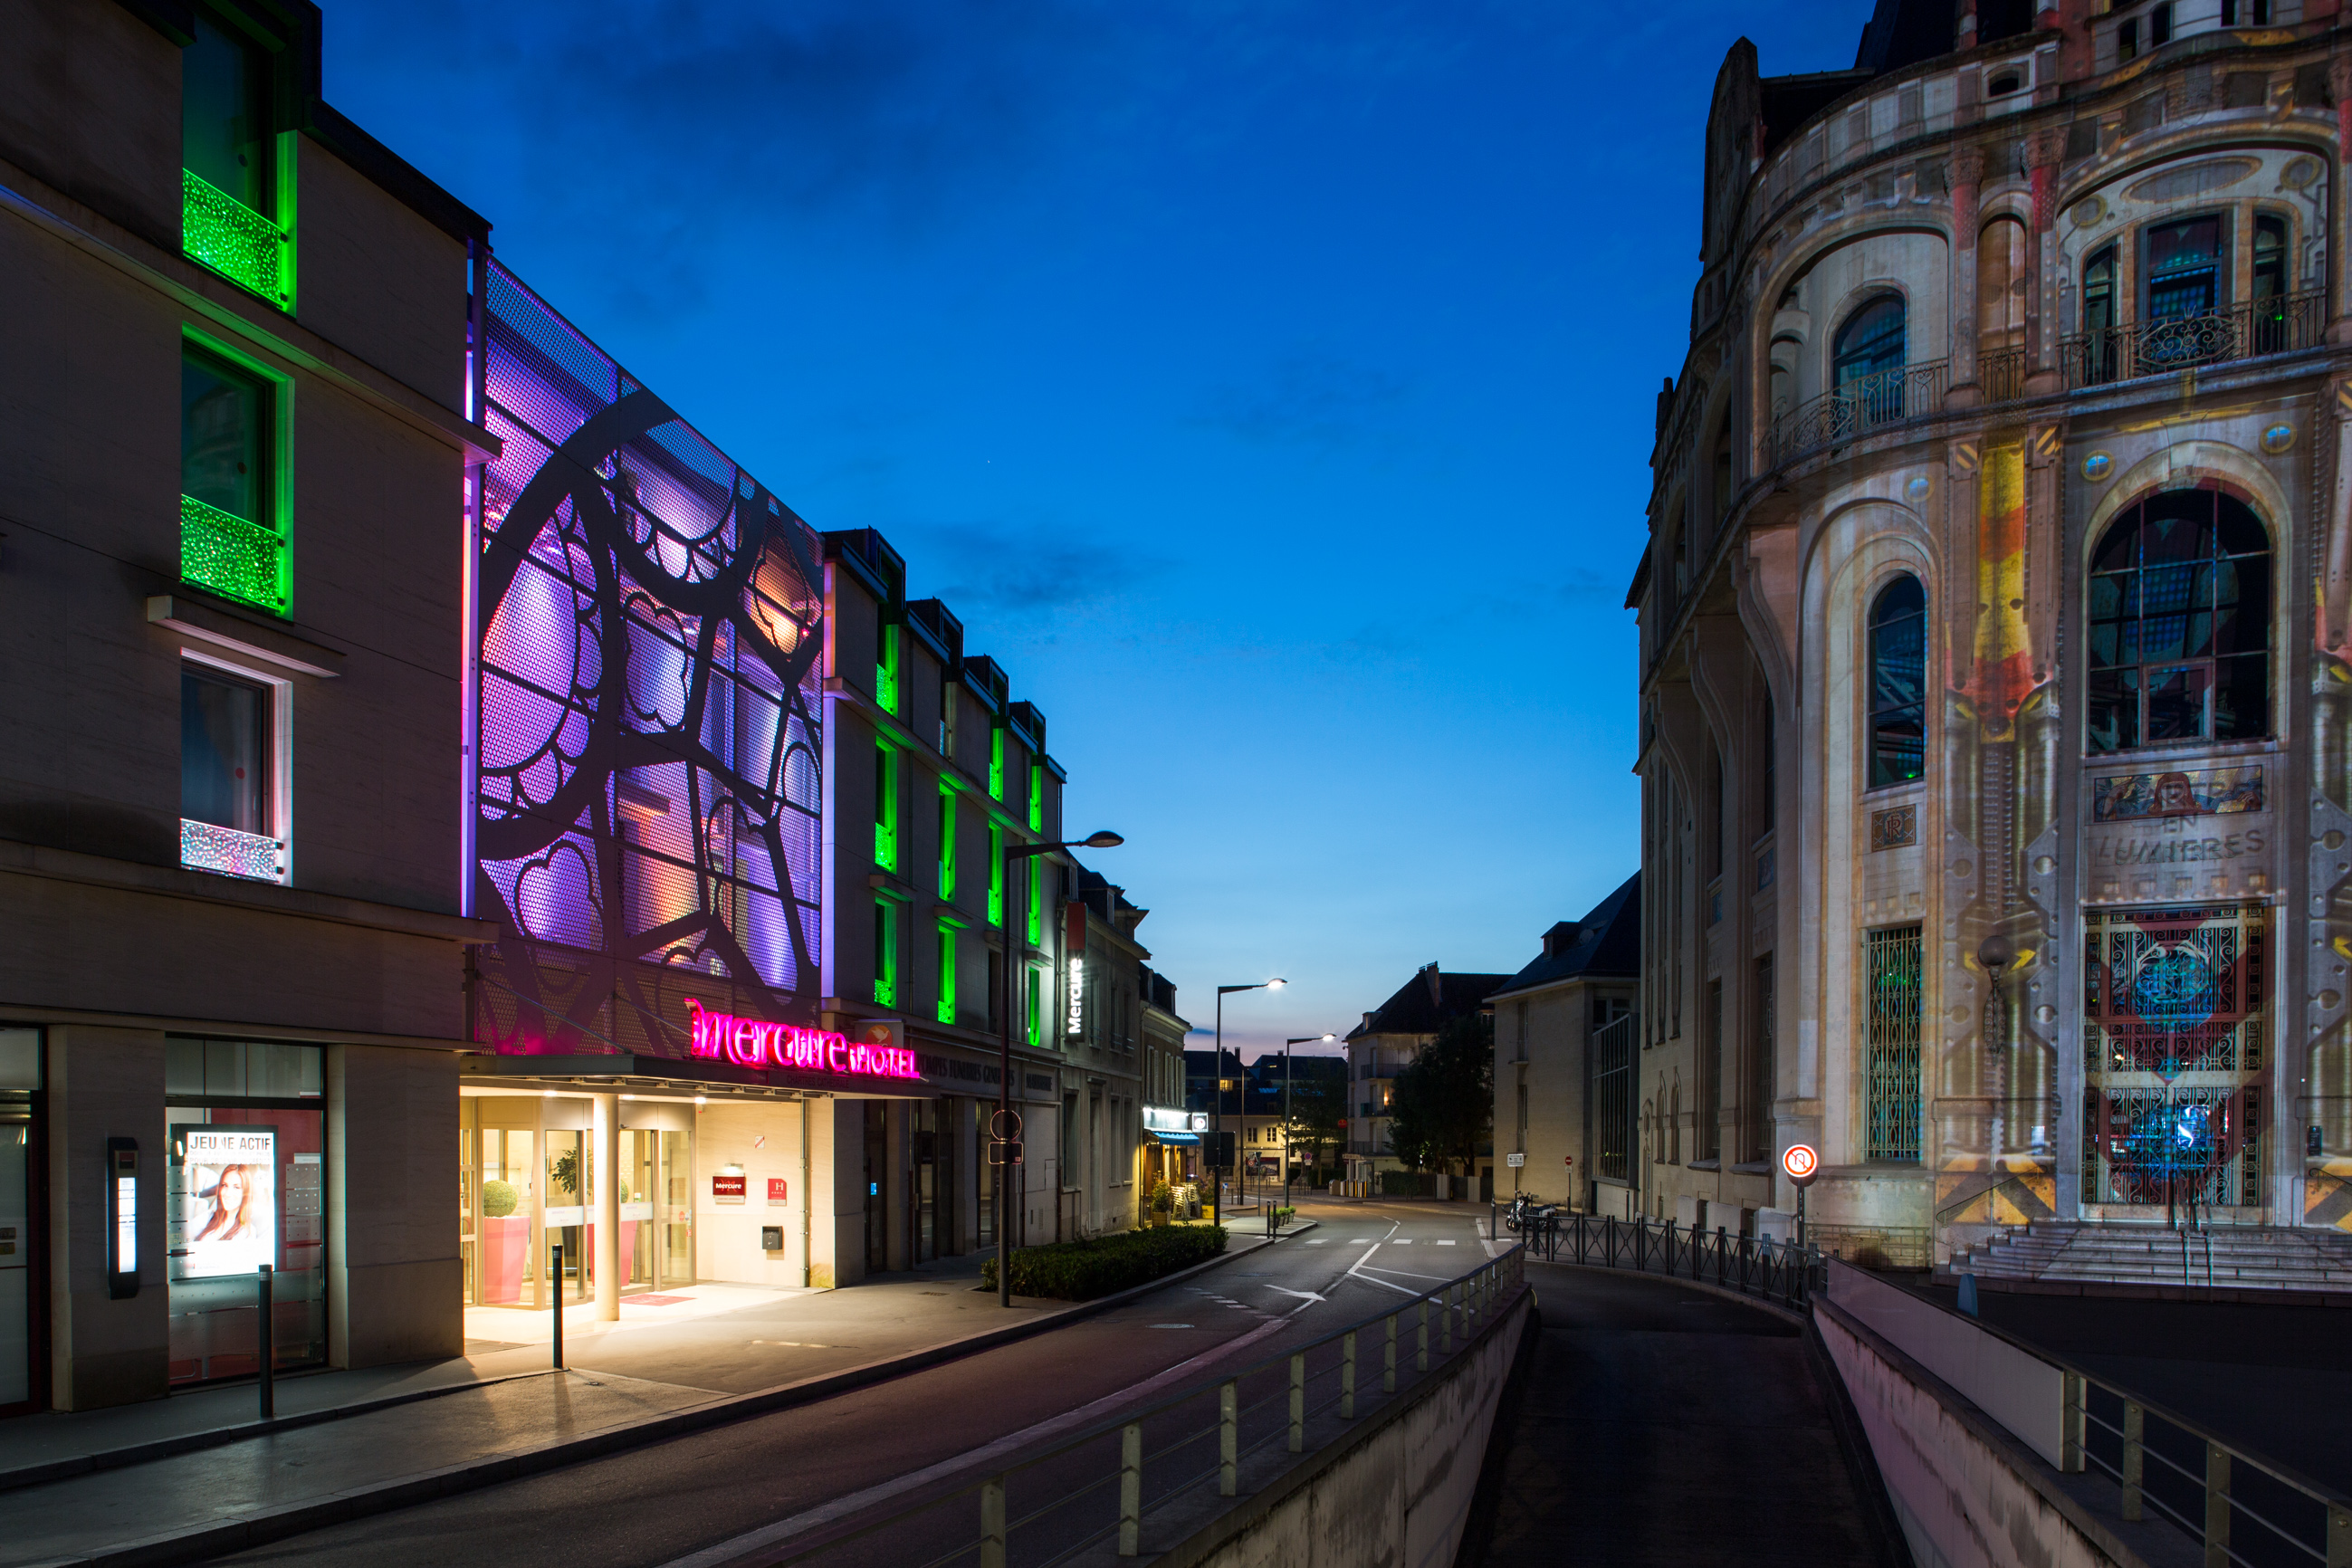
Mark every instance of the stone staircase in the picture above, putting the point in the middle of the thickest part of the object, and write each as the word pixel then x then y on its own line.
pixel 2241 1256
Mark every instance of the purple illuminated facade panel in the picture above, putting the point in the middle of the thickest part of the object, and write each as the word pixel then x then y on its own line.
pixel 648 784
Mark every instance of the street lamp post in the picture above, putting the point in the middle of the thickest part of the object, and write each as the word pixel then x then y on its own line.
pixel 1217 1104
pixel 1005 1128
pixel 1294 1040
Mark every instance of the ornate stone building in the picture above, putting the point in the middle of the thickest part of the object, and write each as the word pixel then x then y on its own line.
pixel 1994 682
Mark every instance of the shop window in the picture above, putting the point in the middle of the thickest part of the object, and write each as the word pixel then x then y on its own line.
pixel 2180 623
pixel 225 774
pixel 246 1125
pixel 1898 682
pixel 232 521
pixel 20 1221
pixel 234 168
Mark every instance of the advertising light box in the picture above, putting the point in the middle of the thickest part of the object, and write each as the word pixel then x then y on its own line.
pixel 226 1221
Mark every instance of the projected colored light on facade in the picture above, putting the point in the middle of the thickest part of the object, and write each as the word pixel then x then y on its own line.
pixel 648 619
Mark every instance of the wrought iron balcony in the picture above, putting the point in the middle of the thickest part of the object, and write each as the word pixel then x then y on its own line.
pixel 2248 329
pixel 1861 406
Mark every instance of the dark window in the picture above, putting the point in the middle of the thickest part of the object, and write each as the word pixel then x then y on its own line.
pixel 2180 624
pixel 224 749
pixel 2099 291
pixel 1898 682
pixel 2270 285
pixel 225 120
pixel 2159 25
pixel 2127 40
pixel 2003 19
pixel 1867 360
pixel 2003 85
pixel 224 435
pixel 2184 268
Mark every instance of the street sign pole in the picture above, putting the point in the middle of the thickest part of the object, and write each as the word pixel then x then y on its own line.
pixel 1801 1163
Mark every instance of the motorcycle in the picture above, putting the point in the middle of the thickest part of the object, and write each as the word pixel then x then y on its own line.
pixel 1525 1210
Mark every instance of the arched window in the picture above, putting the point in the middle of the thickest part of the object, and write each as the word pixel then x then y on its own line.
pixel 2180 624
pixel 1866 360
pixel 1898 682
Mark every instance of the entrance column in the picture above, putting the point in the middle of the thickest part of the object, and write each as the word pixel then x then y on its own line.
pixel 607 1132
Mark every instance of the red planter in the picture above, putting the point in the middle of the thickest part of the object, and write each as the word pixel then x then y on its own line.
pixel 628 1248
pixel 504 1241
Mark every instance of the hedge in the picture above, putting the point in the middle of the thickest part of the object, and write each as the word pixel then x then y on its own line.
pixel 1081 1270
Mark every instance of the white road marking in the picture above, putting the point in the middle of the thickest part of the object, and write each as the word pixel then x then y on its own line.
pixel 1003 1448
pixel 1316 1240
pixel 1406 1272
pixel 1392 1284
pixel 1445 1242
pixel 1302 1295
pixel 1404 1241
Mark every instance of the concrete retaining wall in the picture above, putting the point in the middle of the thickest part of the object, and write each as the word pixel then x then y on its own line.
pixel 2023 1392
pixel 1395 1494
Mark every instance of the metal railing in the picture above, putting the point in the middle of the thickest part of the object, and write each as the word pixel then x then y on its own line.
pixel 1857 408
pixel 1101 1486
pixel 1778 1270
pixel 2280 324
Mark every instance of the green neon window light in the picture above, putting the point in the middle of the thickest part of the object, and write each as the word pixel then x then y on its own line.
pixel 886 809
pixel 947 974
pixel 947 845
pixel 1037 1002
pixel 996 763
pixel 241 245
pixel 235 484
pixel 1036 797
pixel 885 671
pixel 886 954
pixel 1036 903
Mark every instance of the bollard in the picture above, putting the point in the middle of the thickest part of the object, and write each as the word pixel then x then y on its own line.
pixel 2217 1506
pixel 269 1350
pixel 1387 1369
pixel 2132 1459
pixel 1299 1403
pixel 555 1289
pixel 1130 1490
pixel 992 1522
pixel 1347 1377
pixel 1229 1420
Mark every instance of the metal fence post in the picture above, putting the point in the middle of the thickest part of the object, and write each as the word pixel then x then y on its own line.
pixel 555 1269
pixel 2133 1458
pixel 1229 1421
pixel 1420 1350
pixel 2070 1435
pixel 1130 1490
pixel 2339 1538
pixel 2217 1506
pixel 266 1360
pixel 992 1522
pixel 1445 1320
pixel 1347 1377
pixel 1387 1368
pixel 1299 1403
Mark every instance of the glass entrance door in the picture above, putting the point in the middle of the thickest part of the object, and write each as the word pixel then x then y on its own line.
pixel 15 1253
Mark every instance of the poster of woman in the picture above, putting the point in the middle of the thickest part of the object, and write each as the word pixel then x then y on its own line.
pixel 227 1222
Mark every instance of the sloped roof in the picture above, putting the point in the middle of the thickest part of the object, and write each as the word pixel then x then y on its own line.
pixel 1425 1003
pixel 1606 942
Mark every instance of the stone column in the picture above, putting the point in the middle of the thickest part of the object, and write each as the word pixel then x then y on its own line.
pixel 2043 150
pixel 607 1130
pixel 1966 174
pixel 2339 86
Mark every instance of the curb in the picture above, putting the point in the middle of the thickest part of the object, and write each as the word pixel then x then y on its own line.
pixel 359 1502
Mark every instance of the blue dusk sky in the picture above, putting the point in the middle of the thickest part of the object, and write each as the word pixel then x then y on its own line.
pixel 1269 386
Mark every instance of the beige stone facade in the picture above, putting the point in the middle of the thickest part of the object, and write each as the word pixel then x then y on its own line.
pixel 1992 633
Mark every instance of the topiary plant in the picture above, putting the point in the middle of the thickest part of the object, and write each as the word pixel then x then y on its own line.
pixel 498 1199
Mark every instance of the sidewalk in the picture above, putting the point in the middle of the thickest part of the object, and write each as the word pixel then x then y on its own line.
pixel 195 1474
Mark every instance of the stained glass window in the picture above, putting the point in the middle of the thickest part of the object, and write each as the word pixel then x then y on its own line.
pixel 1898 682
pixel 2180 623
pixel 1891 971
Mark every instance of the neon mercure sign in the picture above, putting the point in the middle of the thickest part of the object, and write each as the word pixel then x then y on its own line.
pixel 752 1043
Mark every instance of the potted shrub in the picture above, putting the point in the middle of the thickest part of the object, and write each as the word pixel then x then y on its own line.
pixel 1164 1203
pixel 504 1241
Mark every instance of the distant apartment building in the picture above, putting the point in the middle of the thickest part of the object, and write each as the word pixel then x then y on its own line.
pixel 1391 1036
pixel 1564 1059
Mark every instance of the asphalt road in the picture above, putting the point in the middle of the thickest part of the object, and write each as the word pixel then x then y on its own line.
pixel 1664 1424
pixel 691 1495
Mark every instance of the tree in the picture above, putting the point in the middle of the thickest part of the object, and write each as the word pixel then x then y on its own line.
pixel 1316 1106
pixel 1444 1102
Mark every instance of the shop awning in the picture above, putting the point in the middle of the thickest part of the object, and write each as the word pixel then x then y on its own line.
pixel 1176 1137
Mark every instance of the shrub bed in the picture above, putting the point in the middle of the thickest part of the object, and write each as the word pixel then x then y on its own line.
pixel 1082 1270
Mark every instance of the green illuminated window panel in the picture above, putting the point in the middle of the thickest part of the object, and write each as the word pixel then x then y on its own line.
pixel 886 809
pixel 886 670
pixel 234 241
pixel 996 763
pixel 1037 1008
pixel 230 489
pixel 1036 903
pixel 1036 798
pixel 234 558
pixel 947 845
pixel 885 954
pixel 947 974
pixel 995 874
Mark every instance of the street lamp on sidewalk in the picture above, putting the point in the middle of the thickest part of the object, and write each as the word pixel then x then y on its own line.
pixel 1294 1040
pixel 1217 1105
pixel 1004 1131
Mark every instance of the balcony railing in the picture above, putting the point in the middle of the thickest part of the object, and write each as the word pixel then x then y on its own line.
pixel 1866 404
pixel 206 846
pixel 233 241
pixel 234 558
pixel 2248 329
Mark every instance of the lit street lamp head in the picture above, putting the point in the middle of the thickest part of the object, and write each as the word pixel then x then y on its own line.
pixel 1276 984
pixel 1106 839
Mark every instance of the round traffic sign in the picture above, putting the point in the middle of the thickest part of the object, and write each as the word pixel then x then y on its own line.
pixel 1005 1124
pixel 1802 1163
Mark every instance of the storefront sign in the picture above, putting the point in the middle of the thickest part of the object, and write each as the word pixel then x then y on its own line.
pixel 728 1186
pixel 776 1193
pixel 750 1042
pixel 228 1219
pixel 1162 1118
pixel 1074 1023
